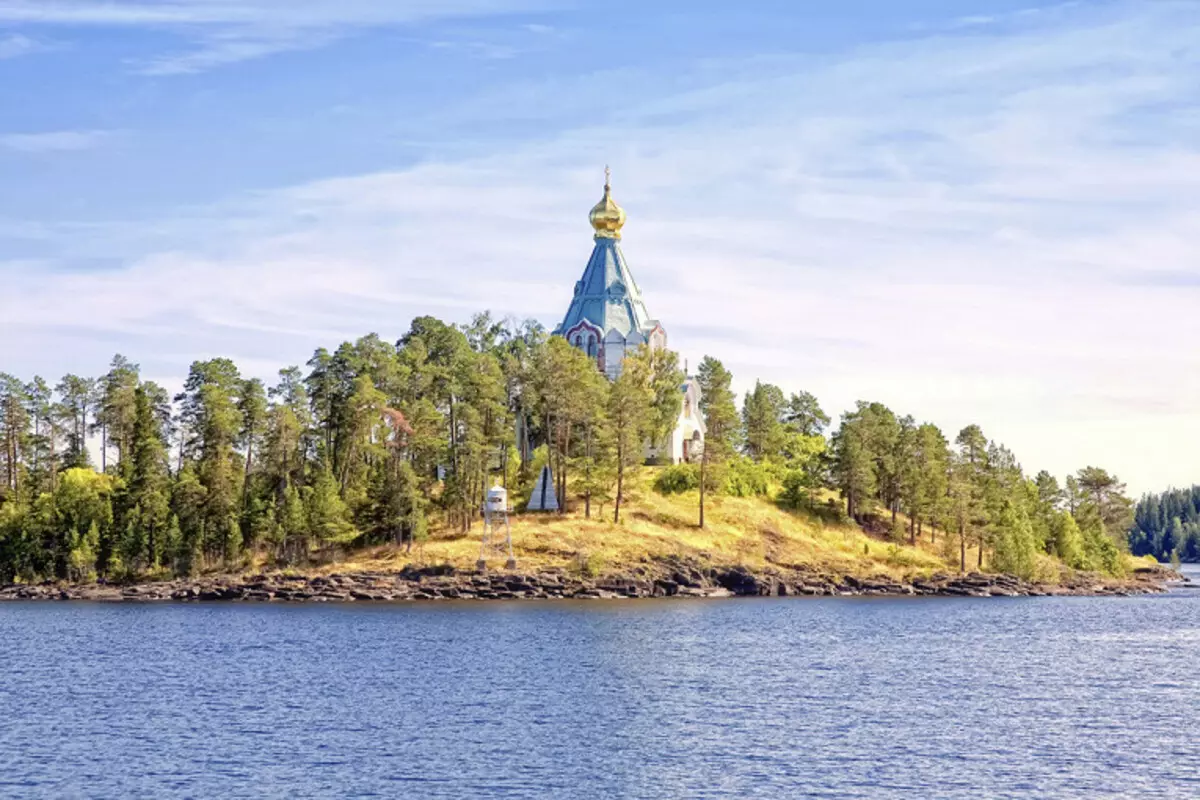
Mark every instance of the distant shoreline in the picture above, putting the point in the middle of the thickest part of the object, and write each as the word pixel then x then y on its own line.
pixel 668 579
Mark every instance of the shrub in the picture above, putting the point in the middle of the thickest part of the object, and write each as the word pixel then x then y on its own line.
pixel 746 478
pixel 677 479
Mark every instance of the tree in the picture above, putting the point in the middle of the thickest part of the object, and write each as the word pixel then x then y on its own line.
pixel 252 406
pixel 328 517
pixel 77 396
pixel 1068 541
pixel 804 414
pixel 864 462
pixel 43 442
pixel 568 393
pixel 14 434
pixel 115 408
pixel 720 422
pixel 630 413
pixel 763 413
pixel 1015 550
pixel 210 415
pixel 145 500
pixel 665 378
pixel 854 468
pixel 1106 494
pixel 80 509
pixel 972 448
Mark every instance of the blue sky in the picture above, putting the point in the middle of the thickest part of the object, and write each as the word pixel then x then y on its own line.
pixel 974 211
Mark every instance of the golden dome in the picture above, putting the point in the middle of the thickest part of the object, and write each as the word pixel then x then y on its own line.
pixel 607 217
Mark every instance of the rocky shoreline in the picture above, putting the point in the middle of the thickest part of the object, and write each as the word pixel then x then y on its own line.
pixel 666 578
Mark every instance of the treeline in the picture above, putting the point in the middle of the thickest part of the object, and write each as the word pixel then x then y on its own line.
pixel 907 479
pixel 362 446
pixel 1167 526
pixel 377 441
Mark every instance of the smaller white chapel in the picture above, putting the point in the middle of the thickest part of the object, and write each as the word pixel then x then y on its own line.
pixel 607 318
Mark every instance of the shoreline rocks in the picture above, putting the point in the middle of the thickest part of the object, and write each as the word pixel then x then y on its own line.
pixel 663 578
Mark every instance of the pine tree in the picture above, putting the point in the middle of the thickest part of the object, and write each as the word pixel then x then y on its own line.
pixel 1068 541
pixel 328 517
pixel 76 398
pixel 630 412
pixel 720 423
pixel 763 412
pixel 1015 548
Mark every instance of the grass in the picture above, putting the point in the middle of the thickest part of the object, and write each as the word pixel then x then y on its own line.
pixel 754 532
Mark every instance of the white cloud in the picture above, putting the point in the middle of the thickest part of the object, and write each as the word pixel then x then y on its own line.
pixel 54 141
pixel 15 45
pixel 973 228
pixel 230 31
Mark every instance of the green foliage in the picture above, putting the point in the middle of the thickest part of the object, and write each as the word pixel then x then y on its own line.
pixel 1015 547
pixel 1166 525
pixel 328 517
pixel 390 439
pixel 762 421
pixel 746 478
pixel 1068 541
pixel 677 479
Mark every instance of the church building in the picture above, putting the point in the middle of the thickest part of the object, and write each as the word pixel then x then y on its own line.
pixel 607 319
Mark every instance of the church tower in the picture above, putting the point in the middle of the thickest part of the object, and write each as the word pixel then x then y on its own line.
pixel 607 317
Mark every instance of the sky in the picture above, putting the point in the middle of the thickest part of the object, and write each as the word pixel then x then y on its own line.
pixel 974 211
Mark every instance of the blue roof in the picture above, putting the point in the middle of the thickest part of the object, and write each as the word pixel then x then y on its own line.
pixel 607 296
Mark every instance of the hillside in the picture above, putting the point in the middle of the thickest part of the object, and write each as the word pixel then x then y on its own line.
pixel 749 533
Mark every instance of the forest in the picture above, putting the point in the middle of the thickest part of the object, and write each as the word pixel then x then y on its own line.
pixel 1167 526
pixel 376 442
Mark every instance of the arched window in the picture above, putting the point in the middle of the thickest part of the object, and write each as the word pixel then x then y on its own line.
pixel 591 346
pixel 579 341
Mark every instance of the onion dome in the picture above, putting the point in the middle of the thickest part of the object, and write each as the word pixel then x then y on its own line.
pixel 607 217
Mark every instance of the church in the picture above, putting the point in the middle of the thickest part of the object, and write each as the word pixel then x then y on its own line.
pixel 607 319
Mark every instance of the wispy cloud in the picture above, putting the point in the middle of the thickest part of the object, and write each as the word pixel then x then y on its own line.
pixel 229 31
pixel 54 141
pixel 1001 222
pixel 15 45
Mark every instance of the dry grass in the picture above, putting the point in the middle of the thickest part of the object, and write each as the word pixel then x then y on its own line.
pixel 749 531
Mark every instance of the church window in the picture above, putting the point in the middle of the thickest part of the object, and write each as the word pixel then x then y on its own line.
pixel 591 345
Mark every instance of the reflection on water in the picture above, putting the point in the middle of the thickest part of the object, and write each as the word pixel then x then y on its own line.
pixel 1061 697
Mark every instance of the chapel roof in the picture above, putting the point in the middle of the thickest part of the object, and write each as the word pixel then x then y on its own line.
pixel 607 296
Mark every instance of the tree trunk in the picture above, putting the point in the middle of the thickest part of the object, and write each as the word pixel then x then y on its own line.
pixel 620 482
pixel 587 475
pixel 562 474
pixel 981 549
pixel 962 547
pixel 912 529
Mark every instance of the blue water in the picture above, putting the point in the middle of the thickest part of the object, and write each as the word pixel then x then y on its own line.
pixel 948 698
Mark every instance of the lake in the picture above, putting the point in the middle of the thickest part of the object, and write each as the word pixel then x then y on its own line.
pixel 790 697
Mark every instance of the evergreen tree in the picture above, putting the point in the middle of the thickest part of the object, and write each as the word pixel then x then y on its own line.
pixel 763 413
pixel 1068 541
pixel 630 412
pixel 77 395
pixel 115 411
pixel 1015 549
pixel 720 424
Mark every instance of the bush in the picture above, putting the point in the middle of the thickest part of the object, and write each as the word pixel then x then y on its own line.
pixel 677 479
pixel 746 478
